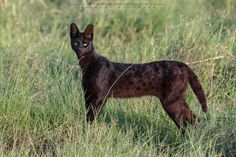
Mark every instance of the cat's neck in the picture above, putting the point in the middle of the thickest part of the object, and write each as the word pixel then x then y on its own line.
pixel 87 60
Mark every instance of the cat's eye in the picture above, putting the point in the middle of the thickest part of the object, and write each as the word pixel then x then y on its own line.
pixel 85 44
pixel 76 44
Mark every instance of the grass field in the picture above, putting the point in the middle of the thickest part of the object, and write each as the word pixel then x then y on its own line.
pixel 41 100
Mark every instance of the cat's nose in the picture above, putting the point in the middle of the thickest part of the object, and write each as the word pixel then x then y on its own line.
pixel 80 48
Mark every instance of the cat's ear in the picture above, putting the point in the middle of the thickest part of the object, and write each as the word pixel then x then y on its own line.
pixel 89 32
pixel 74 30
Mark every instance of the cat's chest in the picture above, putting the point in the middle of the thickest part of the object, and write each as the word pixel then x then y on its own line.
pixel 95 80
pixel 89 79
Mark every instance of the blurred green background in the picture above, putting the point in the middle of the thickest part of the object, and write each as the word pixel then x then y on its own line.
pixel 41 100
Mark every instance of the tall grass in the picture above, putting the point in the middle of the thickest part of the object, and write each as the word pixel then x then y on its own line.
pixel 41 99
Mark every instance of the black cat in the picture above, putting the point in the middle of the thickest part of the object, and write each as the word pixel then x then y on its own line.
pixel 167 80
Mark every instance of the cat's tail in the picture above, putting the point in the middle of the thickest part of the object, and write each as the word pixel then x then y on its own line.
pixel 197 89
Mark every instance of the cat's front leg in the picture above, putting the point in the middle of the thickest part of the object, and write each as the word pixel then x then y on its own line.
pixel 89 99
pixel 93 105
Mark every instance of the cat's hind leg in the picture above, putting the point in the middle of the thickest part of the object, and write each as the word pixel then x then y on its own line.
pixel 179 112
pixel 187 116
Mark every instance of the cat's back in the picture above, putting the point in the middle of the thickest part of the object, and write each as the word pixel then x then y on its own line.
pixel 146 69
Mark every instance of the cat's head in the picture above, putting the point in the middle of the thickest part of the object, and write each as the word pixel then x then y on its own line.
pixel 81 42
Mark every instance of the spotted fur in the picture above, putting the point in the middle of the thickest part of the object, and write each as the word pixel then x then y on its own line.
pixel 102 79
